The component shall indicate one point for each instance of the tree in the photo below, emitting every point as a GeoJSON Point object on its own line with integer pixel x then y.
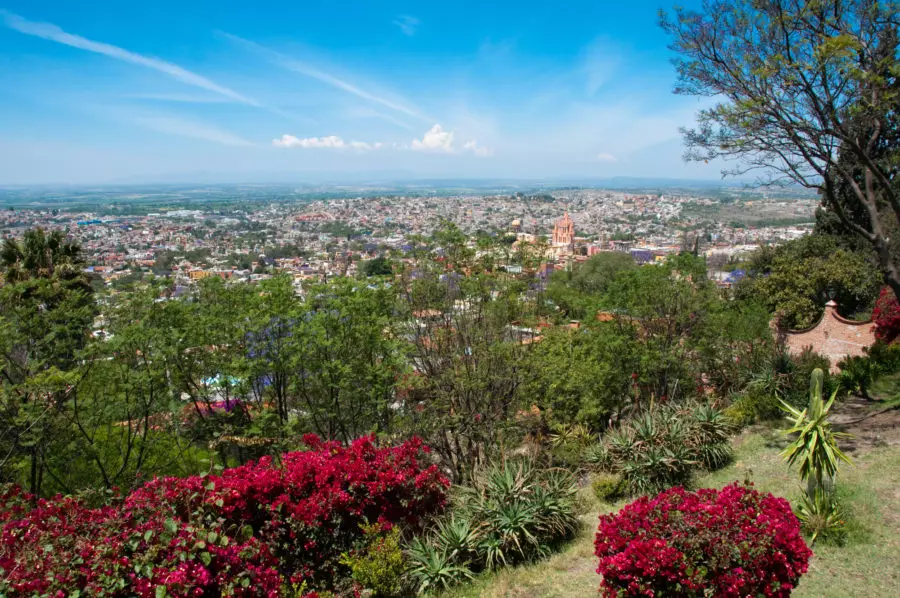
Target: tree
{"type": "Point", "coordinates": [667, 305]}
{"type": "Point", "coordinates": [796, 279]}
{"type": "Point", "coordinates": [379, 266]}
{"type": "Point", "coordinates": [807, 92]}
{"type": "Point", "coordinates": [577, 292]}
{"type": "Point", "coordinates": [815, 446]}
{"type": "Point", "coordinates": [39, 255]}
{"type": "Point", "coordinates": [46, 309]}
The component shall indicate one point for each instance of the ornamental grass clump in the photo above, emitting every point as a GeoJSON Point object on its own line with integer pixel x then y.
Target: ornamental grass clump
{"type": "Point", "coordinates": [727, 543]}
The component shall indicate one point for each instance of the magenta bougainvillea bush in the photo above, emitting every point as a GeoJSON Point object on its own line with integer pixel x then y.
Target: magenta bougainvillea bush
{"type": "Point", "coordinates": [887, 316]}
{"type": "Point", "coordinates": [254, 530]}
{"type": "Point", "coordinates": [733, 542]}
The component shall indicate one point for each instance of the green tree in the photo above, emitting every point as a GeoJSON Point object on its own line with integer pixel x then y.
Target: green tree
{"type": "Point", "coordinates": [40, 255]}
{"type": "Point", "coordinates": [666, 305]}
{"type": "Point", "coordinates": [805, 91]}
{"type": "Point", "coordinates": [379, 266]}
{"type": "Point", "coordinates": [796, 279]}
{"type": "Point", "coordinates": [576, 292]}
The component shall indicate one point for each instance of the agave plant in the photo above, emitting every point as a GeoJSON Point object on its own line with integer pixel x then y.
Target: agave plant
{"type": "Point", "coordinates": [597, 456]}
{"type": "Point", "coordinates": [458, 538]}
{"type": "Point", "coordinates": [815, 446]}
{"type": "Point", "coordinates": [432, 569]}
{"type": "Point", "coordinates": [709, 437]}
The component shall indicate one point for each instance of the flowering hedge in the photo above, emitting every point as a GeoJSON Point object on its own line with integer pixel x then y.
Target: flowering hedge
{"type": "Point", "coordinates": [250, 531]}
{"type": "Point", "coordinates": [886, 316]}
{"type": "Point", "coordinates": [732, 542]}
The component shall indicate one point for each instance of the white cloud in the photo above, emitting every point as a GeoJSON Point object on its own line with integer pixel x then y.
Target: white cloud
{"type": "Point", "coordinates": [51, 32]}
{"type": "Point", "coordinates": [478, 150]}
{"type": "Point", "coordinates": [329, 142]}
{"type": "Point", "coordinates": [604, 157]}
{"type": "Point", "coordinates": [436, 139]}
{"type": "Point", "coordinates": [407, 24]}
{"type": "Point", "coordinates": [196, 130]}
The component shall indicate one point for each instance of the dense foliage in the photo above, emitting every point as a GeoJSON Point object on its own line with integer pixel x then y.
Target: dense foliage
{"type": "Point", "coordinates": [248, 531]}
{"type": "Point", "coordinates": [732, 542]}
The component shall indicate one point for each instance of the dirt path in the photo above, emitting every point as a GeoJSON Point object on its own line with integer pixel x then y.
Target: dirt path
{"type": "Point", "coordinates": [869, 424]}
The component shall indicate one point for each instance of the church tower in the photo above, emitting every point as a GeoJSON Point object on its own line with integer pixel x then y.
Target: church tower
{"type": "Point", "coordinates": [564, 232]}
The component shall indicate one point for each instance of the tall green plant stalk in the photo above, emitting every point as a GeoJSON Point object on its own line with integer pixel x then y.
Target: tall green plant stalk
{"type": "Point", "coordinates": [815, 447]}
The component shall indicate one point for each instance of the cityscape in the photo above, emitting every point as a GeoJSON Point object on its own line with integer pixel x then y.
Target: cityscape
{"type": "Point", "coordinates": [316, 238]}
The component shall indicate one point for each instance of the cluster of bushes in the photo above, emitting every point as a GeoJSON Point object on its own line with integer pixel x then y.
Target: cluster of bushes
{"type": "Point", "coordinates": [263, 529]}
{"type": "Point", "coordinates": [659, 449]}
{"type": "Point", "coordinates": [859, 373]}
{"type": "Point", "coordinates": [732, 542]}
{"type": "Point", "coordinates": [781, 377]}
{"type": "Point", "coordinates": [513, 512]}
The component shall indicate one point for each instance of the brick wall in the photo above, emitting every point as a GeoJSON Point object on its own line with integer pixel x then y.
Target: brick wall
{"type": "Point", "coordinates": [833, 336]}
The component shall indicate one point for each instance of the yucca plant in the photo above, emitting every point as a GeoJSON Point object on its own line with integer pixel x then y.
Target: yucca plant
{"type": "Point", "coordinates": [815, 447]}
{"type": "Point", "coordinates": [432, 569]}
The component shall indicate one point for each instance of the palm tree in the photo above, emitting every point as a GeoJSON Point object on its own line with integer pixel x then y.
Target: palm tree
{"type": "Point", "coordinates": [40, 255]}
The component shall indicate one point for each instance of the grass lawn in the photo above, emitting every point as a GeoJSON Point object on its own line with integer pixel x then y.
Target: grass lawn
{"type": "Point", "coordinates": [867, 566]}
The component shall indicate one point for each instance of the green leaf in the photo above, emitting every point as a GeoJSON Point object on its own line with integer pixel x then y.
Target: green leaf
{"type": "Point", "coordinates": [160, 591]}
{"type": "Point", "coordinates": [171, 526]}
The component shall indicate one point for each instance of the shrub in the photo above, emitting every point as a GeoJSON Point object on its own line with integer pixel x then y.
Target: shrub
{"type": "Point", "coordinates": [244, 532]}
{"type": "Point", "coordinates": [597, 457]}
{"type": "Point", "coordinates": [857, 375]}
{"type": "Point", "coordinates": [741, 412]}
{"type": "Point", "coordinates": [608, 487]}
{"type": "Point", "coordinates": [732, 542]}
{"type": "Point", "coordinates": [887, 316]}
{"type": "Point", "coordinates": [885, 357]}
{"type": "Point", "coordinates": [380, 566]}
{"type": "Point", "coordinates": [432, 569]}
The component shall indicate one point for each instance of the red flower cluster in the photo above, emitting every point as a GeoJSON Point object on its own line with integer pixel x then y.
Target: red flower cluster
{"type": "Point", "coordinates": [247, 532]}
{"type": "Point", "coordinates": [732, 542]}
{"type": "Point", "coordinates": [887, 316]}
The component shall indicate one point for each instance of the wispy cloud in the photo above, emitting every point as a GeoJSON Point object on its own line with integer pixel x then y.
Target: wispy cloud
{"type": "Point", "coordinates": [407, 24]}
{"type": "Point", "coordinates": [600, 61]}
{"type": "Point", "coordinates": [51, 32]}
{"type": "Point", "coordinates": [308, 70]}
{"type": "Point", "coordinates": [196, 130]}
{"type": "Point", "coordinates": [329, 142]}
{"type": "Point", "coordinates": [366, 112]}
{"type": "Point", "coordinates": [179, 98]}
{"type": "Point", "coordinates": [604, 157]}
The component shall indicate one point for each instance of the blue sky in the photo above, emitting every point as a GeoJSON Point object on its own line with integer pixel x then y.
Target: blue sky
{"type": "Point", "coordinates": [107, 91]}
